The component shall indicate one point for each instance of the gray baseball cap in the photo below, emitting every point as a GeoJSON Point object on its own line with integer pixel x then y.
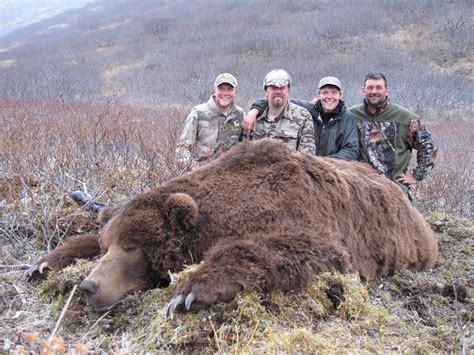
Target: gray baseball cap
{"type": "Point", "coordinates": [225, 78]}
{"type": "Point", "coordinates": [278, 78]}
{"type": "Point", "coordinates": [330, 80]}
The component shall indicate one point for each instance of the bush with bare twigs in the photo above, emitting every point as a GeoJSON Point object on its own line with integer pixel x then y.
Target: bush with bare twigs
{"type": "Point", "coordinates": [51, 148]}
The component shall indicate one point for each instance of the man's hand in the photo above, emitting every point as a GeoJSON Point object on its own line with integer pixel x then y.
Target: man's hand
{"type": "Point", "coordinates": [248, 124]}
{"type": "Point", "coordinates": [407, 179]}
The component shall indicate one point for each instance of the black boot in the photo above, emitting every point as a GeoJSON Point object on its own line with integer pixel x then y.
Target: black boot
{"type": "Point", "coordinates": [82, 199]}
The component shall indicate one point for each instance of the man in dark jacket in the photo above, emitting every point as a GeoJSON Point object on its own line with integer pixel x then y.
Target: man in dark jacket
{"type": "Point", "coordinates": [334, 127]}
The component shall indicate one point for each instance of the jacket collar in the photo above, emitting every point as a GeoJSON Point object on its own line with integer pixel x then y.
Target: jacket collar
{"type": "Point", "coordinates": [380, 108]}
{"type": "Point", "coordinates": [213, 106]}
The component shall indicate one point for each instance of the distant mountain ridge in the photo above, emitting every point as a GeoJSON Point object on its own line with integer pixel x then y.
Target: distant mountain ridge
{"type": "Point", "coordinates": [16, 14]}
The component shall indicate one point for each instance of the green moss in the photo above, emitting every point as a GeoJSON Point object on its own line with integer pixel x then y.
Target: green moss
{"type": "Point", "coordinates": [56, 306]}
{"type": "Point", "coordinates": [453, 226]}
{"type": "Point", "coordinates": [62, 282]}
{"type": "Point", "coordinates": [106, 343]}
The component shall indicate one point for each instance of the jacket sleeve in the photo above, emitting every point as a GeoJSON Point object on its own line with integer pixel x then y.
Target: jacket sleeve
{"type": "Point", "coordinates": [187, 140]}
{"type": "Point", "coordinates": [306, 139]}
{"type": "Point", "coordinates": [419, 138]}
{"type": "Point", "coordinates": [260, 105]}
{"type": "Point", "coordinates": [350, 139]}
{"type": "Point", "coordinates": [304, 103]}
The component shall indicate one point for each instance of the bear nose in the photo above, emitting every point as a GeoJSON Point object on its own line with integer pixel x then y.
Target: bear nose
{"type": "Point", "coordinates": [89, 287]}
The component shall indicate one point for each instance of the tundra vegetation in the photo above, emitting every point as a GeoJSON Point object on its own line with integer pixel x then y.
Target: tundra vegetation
{"type": "Point", "coordinates": [96, 98]}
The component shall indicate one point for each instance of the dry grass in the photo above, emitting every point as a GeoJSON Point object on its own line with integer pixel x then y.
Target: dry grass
{"type": "Point", "coordinates": [449, 188]}
{"type": "Point", "coordinates": [115, 151]}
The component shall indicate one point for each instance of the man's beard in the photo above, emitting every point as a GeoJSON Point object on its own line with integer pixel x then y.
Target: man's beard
{"type": "Point", "coordinates": [278, 101]}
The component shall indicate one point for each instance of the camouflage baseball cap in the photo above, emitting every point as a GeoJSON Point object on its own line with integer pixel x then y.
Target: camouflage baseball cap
{"type": "Point", "coordinates": [277, 77]}
{"type": "Point", "coordinates": [225, 78]}
{"type": "Point", "coordinates": [330, 80]}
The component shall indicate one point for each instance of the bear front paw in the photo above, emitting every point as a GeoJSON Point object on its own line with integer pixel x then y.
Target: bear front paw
{"type": "Point", "coordinates": [197, 297]}
{"type": "Point", "coordinates": [38, 271]}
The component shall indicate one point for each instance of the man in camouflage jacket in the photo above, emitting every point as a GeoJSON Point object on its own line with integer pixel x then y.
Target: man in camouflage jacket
{"type": "Point", "coordinates": [213, 127]}
{"type": "Point", "coordinates": [336, 134]}
{"type": "Point", "coordinates": [282, 119]}
{"type": "Point", "coordinates": [388, 133]}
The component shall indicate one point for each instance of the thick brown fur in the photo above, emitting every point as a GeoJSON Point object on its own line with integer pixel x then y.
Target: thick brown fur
{"type": "Point", "coordinates": [263, 217]}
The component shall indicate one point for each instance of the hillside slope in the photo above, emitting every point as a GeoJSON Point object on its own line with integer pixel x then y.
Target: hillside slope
{"type": "Point", "coordinates": [170, 51]}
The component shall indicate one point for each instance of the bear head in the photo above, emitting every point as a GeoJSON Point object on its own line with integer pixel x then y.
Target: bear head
{"type": "Point", "coordinates": [141, 243]}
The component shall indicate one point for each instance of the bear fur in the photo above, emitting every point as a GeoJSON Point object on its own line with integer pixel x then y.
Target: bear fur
{"type": "Point", "coordinates": [261, 217]}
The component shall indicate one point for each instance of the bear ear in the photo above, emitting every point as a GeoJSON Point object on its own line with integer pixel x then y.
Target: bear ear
{"type": "Point", "coordinates": [106, 213]}
{"type": "Point", "coordinates": [181, 211]}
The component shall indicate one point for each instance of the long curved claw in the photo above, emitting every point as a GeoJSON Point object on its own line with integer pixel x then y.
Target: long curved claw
{"type": "Point", "coordinates": [29, 273]}
{"type": "Point", "coordinates": [175, 302]}
{"type": "Point", "coordinates": [42, 266]}
{"type": "Point", "coordinates": [189, 300]}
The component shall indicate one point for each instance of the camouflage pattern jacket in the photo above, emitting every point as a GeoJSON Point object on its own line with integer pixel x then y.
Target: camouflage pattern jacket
{"type": "Point", "coordinates": [388, 137]}
{"type": "Point", "coordinates": [294, 126]}
{"type": "Point", "coordinates": [208, 132]}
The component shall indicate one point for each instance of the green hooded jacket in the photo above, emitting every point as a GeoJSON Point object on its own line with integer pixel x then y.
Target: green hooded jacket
{"type": "Point", "coordinates": [388, 137]}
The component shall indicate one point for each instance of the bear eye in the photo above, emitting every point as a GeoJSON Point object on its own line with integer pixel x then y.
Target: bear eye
{"type": "Point", "coordinates": [131, 248]}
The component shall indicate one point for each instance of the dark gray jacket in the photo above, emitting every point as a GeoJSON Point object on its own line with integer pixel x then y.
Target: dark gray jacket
{"type": "Point", "coordinates": [338, 138]}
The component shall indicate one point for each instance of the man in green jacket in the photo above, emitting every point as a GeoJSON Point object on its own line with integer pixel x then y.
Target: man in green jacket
{"type": "Point", "coordinates": [335, 132]}
{"type": "Point", "coordinates": [389, 132]}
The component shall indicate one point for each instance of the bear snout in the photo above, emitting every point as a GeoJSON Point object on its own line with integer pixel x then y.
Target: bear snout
{"type": "Point", "coordinates": [89, 287]}
{"type": "Point", "coordinates": [91, 290]}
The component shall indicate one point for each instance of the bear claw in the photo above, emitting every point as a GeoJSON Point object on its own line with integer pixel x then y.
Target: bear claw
{"type": "Point", "coordinates": [36, 269]}
{"type": "Point", "coordinates": [200, 298]}
{"type": "Point", "coordinates": [174, 303]}
{"type": "Point", "coordinates": [189, 300]}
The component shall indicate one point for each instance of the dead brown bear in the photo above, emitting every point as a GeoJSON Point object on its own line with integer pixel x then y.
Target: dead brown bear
{"type": "Point", "coordinates": [261, 217]}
